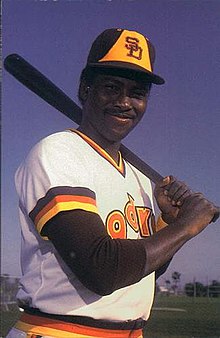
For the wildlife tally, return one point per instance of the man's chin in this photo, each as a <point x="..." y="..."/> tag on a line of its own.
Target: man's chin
<point x="116" y="136"/>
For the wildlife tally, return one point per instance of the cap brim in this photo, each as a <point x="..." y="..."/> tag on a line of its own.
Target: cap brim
<point x="156" y="79"/>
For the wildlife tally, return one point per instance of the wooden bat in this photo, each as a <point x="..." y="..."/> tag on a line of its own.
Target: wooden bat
<point x="38" y="83"/>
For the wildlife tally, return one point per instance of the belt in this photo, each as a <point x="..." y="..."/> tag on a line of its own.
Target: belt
<point x="88" y="321"/>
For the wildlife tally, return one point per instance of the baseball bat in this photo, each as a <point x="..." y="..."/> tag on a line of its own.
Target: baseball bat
<point x="38" y="83"/>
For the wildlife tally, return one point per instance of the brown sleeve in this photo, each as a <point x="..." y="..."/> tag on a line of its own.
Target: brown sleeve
<point x="101" y="263"/>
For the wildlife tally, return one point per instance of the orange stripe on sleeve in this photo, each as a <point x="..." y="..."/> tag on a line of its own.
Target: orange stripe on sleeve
<point x="60" y="204"/>
<point x="63" y="199"/>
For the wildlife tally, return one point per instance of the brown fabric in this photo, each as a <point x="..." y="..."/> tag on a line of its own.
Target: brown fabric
<point x="101" y="263"/>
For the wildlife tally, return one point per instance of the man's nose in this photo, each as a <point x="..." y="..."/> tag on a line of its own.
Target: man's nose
<point x="124" y="101"/>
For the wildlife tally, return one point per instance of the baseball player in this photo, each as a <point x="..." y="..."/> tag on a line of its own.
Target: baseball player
<point x="91" y="246"/>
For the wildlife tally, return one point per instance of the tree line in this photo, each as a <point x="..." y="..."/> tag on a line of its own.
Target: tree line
<point x="192" y="289"/>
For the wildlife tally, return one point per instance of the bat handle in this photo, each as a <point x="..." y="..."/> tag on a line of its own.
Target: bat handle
<point x="216" y="216"/>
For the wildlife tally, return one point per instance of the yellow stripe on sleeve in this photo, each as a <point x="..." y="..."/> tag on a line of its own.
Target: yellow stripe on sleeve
<point x="64" y="206"/>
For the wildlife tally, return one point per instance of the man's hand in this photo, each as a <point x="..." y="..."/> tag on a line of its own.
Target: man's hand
<point x="181" y="205"/>
<point x="170" y="195"/>
<point x="186" y="212"/>
<point x="196" y="213"/>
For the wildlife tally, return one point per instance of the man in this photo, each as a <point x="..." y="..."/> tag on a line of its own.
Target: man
<point x="90" y="243"/>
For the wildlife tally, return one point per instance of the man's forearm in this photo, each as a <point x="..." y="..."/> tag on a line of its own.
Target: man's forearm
<point x="162" y="246"/>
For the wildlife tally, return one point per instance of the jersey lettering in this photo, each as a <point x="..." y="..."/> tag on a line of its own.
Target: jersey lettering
<point x="136" y="217"/>
<point x="143" y="215"/>
<point x="116" y="225"/>
<point x="130" y="214"/>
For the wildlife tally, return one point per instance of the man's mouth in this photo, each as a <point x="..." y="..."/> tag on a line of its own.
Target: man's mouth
<point x="121" y="114"/>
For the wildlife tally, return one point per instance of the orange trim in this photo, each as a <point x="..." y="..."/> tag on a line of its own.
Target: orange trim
<point x="78" y="329"/>
<point x="160" y="223"/>
<point x="119" y="166"/>
<point x="63" y="198"/>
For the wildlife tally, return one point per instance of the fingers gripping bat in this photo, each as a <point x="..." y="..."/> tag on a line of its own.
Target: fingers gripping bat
<point x="48" y="91"/>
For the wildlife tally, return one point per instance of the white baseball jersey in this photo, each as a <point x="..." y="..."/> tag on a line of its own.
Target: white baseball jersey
<point x="67" y="171"/>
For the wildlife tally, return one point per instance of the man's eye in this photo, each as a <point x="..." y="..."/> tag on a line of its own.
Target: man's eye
<point x="112" y="88"/>
<point x="139" y="94"/>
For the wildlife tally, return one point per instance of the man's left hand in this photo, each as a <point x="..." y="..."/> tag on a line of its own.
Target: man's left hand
<point x="170" y="195"/>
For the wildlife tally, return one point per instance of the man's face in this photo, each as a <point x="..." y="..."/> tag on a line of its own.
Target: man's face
<point x="114" y="106"/>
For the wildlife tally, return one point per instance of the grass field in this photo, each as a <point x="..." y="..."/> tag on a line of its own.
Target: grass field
<point x="171" y="317"/>
<point x="183" y="317"/>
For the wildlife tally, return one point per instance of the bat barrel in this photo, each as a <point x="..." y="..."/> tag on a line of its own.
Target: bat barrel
<point x="42" y="86"/>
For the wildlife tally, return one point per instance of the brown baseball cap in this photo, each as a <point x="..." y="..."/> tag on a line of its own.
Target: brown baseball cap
<point x="123" y="49"/>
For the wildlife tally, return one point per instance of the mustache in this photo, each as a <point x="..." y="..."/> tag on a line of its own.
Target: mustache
<point x="116" y="111"/>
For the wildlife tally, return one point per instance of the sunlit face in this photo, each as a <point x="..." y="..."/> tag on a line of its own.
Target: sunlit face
<point x="114" y="106"/>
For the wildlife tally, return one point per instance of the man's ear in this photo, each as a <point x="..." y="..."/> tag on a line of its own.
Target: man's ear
<point x="83" y="91"/>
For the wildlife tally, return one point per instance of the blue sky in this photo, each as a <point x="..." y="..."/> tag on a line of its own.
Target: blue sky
<point x="179" y="133"/>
